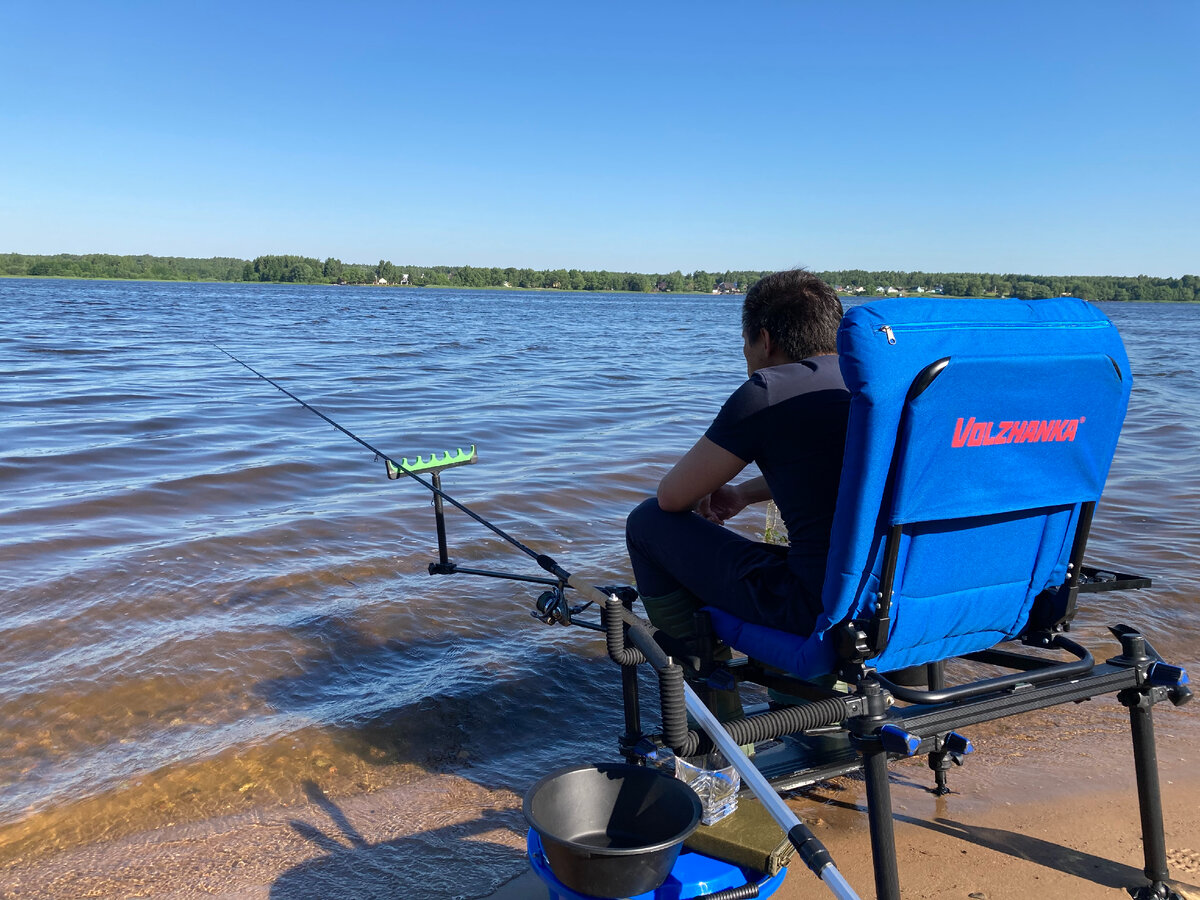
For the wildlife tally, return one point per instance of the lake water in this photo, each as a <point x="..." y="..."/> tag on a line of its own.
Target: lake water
<point x="210" y="597"/>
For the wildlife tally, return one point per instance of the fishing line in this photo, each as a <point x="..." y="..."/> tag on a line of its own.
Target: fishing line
<point x="544" y="561"/>
<point x="552" y="608"/>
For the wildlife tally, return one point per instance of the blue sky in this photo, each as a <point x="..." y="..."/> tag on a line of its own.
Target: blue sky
<point x="1039" y="138"/>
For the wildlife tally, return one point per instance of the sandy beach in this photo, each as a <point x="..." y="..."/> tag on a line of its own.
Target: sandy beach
<point x="1049" y="811"/>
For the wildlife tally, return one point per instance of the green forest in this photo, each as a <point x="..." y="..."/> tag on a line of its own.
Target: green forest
<point x="306" y="270"/>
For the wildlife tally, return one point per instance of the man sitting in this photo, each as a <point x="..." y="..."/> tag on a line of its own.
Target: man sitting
<point x="789" y="418"/>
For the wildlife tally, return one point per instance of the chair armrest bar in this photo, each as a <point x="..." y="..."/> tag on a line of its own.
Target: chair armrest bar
<point x="931" y="720"/>
<point x="1081" y="665"/>
<point x="1010" y="660"/>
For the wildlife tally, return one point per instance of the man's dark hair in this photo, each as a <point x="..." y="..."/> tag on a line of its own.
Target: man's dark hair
<point x="798" y="310"/>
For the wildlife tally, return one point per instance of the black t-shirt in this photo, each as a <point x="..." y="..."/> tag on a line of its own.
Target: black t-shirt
<point x="791" y="421"/>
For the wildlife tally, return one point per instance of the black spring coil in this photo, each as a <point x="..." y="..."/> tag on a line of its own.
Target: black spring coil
<point x="743" y="892"/>
<point x="614" y="634"/>
<point x="764" y="726"/>
<point x="674" y="713"/>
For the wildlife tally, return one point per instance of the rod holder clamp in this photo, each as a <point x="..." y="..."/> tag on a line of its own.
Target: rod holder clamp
<point x="957" y="743"/>
<point x="1162" y="674"/>
<point x="896" y="740"/>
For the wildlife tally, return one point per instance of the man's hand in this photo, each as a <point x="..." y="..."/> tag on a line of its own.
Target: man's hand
<point x="723" y="503"/>
<point x="701" y="471"/>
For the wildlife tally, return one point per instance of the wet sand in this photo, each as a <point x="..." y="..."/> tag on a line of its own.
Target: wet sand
<point x="1039" y="814"/>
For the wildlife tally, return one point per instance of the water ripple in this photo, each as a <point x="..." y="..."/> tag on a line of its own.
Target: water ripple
<point x="210" y="594"/>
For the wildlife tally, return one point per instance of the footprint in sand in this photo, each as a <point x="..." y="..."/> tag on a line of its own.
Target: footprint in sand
<point x="1185" y="862"/>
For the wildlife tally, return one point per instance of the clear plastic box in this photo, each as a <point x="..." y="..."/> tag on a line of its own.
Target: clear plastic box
<point x="714" y="780"/>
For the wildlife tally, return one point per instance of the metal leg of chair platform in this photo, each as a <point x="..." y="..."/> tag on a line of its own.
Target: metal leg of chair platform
<point x="879" y="791"/>
<point x="879" y="815"/>
<point x="1145" y="764"/>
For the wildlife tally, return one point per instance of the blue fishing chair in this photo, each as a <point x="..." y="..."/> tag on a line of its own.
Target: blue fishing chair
<point x="980" y="435"/>
<point x="979" y="439"/>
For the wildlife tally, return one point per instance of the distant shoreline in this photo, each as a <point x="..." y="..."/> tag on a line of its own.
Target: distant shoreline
<point x="289" y="269"/>
<point x="308" y="284"/>
<point x="530" y="290"/>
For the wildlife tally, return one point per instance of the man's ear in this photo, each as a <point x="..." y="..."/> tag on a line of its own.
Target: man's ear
<point x="764" y="340"/>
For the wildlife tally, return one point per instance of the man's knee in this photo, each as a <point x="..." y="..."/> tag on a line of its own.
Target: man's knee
<point x="643" y="518"/>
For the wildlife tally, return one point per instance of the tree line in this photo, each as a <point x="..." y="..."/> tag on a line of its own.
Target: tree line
<point x="307" y="270"/>
<point x="1026" y="287"/>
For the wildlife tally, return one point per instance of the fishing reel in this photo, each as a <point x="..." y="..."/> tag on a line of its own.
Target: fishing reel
<point x="552" y="608"/>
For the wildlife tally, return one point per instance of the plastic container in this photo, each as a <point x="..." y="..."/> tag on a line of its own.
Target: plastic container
<point x="715" y="782"/>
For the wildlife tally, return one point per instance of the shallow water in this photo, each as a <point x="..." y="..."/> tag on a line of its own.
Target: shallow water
<point x="211" y="598"/>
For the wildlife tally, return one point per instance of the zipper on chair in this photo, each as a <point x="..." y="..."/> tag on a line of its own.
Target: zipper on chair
<point x="890" y="332"/>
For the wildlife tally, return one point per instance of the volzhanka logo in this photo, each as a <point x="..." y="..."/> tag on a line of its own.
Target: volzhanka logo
<point x="970" y="433"/>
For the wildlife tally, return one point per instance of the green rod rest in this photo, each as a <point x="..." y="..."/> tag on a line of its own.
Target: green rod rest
<point x="435" y="463"/>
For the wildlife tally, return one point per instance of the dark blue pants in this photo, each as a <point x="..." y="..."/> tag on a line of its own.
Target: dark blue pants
<point x="721" y="568"/>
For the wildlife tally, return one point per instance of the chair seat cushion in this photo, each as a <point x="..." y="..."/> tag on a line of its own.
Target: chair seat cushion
<point x="800" y="656"/>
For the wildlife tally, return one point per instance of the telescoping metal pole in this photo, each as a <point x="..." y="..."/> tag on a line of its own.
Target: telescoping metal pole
<point x="810" y="848"/>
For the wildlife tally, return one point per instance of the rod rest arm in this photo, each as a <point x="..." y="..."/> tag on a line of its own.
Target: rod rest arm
<point x="1081" y="665"/>
<point x="650" y="644"/>
<point x="660" y="648"/>
<point x="640" y="634"/>
<point x="619" y="624"/>
<point x="1094" y="580"/>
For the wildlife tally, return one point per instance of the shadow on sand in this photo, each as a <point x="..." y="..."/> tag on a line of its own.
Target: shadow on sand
<point x="1087" y="866"/>
<point x="448" y="706"/>
<point x="459" y="860"/>
<point x="1059" y="857"/>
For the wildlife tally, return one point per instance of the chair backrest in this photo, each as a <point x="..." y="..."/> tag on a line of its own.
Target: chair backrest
<point x="977" y="430"/>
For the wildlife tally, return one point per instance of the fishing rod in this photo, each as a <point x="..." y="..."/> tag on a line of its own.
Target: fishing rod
<point x="550" y="608"/>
